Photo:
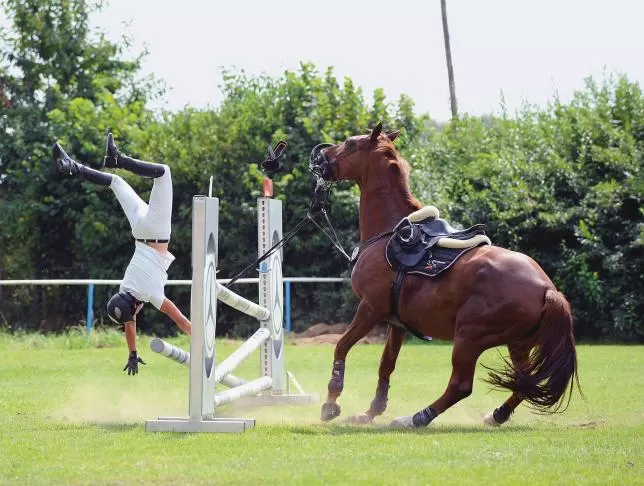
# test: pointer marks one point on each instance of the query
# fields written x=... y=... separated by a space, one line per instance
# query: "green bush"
x=563 y=184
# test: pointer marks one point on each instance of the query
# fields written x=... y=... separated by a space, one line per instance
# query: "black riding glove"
x=132 y=365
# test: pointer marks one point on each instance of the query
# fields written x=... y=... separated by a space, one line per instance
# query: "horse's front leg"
x=364 y=320
x=395 y=338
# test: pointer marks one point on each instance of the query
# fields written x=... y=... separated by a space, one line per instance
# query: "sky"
x=527 y=50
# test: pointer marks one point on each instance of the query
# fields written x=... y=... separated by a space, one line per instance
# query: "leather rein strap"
x=363 y=246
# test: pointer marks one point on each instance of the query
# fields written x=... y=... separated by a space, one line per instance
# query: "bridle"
x=318 y=165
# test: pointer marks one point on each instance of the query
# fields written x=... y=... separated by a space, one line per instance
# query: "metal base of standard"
x=185 y=424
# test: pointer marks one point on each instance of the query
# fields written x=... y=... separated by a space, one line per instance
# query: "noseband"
x=318 y=165
x=318 y=160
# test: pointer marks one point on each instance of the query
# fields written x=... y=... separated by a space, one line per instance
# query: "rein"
x=319 y=204
x=298 y=227
x=333 y=239
x=367 y=244
x=310 y=217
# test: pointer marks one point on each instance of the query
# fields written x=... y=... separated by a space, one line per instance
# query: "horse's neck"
x=382 y=208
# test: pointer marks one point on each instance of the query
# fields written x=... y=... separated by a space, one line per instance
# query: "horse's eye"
x=351 y=145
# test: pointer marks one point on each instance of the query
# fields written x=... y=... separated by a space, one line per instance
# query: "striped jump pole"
x=177 y=354
x=158 y=345
x=249 y=389
x=241 y=304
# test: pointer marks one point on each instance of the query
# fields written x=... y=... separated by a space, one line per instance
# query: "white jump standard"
x=204 y=373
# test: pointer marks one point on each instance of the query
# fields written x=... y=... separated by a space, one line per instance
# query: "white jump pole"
x=158 y=345
x=241 y=304
x=240 y=354
x=177 y=354
x=249 y=389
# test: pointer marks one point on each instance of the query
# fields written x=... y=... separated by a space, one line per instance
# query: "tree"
x=303 y=107
x=58 y=82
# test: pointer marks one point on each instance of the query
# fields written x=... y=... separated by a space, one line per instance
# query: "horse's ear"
x=375 y=133
x=393 y=135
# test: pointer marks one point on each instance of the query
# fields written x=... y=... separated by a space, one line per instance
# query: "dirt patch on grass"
x=323 y=333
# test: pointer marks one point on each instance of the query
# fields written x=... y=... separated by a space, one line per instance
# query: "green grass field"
x=68 y=415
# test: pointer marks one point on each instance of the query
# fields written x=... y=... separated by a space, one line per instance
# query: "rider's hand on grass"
x=132 y=365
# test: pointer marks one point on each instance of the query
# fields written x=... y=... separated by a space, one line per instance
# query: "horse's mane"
x=387 y=148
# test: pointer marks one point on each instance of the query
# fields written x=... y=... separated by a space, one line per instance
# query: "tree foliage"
x=562 y=183
x=57 y=82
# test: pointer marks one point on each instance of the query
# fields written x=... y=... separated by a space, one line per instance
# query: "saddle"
x=424 y=244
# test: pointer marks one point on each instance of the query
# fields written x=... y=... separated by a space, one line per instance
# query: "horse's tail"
x=551 y=367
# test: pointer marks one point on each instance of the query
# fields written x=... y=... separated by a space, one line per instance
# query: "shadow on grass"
x=115 y=426
x=348 y=429
x=64 y=425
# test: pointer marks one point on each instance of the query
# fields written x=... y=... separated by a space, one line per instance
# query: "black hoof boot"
x=64 y=163
x=502 y=414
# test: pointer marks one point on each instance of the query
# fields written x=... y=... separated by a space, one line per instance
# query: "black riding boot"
x=116 y=160
x=66 y=165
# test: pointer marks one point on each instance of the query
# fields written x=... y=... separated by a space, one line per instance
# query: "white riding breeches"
x=148 y=221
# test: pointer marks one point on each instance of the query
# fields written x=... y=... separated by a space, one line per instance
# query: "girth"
x=396 y=285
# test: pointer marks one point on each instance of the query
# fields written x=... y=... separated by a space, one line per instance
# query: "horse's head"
x=349 y=160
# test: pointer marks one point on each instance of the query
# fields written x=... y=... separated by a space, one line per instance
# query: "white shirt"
x=147 y=274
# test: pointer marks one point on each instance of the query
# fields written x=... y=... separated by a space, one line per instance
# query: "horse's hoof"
x=403 y=422
x=490 y=420
x=330 y=410
x=362 y=419
x=378 y=407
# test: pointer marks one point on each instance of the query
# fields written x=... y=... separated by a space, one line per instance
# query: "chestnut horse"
x=490 y=297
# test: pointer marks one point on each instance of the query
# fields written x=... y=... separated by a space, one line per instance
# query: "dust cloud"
x=101 y=403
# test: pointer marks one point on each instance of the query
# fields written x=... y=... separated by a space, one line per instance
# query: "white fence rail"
x=92 y=282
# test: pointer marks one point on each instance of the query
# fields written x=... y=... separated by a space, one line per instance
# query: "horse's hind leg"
x=502 y=414
x=464 y=356
x=395 y=338
x=364 y=320
x=519 y=354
